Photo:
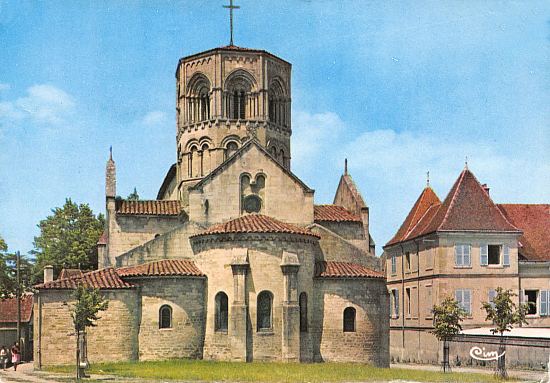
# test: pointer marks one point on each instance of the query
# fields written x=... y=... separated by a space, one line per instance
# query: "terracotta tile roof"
x=534 y=221
x=70 y=273
x=104 y=239
x=425 y=201
x=152 y=207
x=165 y=267
x=8 y=309
x=467 y=207
x=98 y=279
x=256 y=223
x=334 y=213
x=330 y=269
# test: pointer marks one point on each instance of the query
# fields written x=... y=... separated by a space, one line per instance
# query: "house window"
x=430 y=258
x=544 y=302
x=165 y=317
x=492 y=295
x=429 y=301
x=264 y=311
x=407 y=261
x=408 y=298
x=464 y=299
x=493 y=254
x=303 y=312
x=222 y=311
x=393 y=264
x=462 y=255
x=506 y=255
x=395 y=303
x=349 y=319
x=531 y=299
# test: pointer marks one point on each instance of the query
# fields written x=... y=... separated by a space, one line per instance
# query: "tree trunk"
x=501 y=362
x=446 y=365
x=78 y=355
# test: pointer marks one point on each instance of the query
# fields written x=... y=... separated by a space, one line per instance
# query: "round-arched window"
x=264 y=311
x=349 y=319
x=165 y=317
x=252 y=204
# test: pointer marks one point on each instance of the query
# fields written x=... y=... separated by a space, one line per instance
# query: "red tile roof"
x=256 y=223
x=154 y=207
x=334 y=213
x=165 y=267
x=467 y=207
x=330 y=269
x=70 y=273
x=534 y=221
x=427 y=199
x=99 y=279
x=8 y=309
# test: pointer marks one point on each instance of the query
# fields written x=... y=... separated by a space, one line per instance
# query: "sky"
x=398 y=88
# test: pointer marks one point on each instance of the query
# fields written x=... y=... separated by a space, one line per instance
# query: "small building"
x=8 y=324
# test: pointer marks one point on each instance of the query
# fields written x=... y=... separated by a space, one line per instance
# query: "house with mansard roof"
x=233 y=260
x=465 y=247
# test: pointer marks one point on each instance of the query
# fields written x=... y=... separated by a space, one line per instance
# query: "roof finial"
x=346 y=167
x=466 y=163
x=231 y=7
x=111 y=152
x=428 y=178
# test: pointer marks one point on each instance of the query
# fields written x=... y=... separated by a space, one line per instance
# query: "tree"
x=134 y=196
x=447 y=318
x=8 y=271
x=68 y=239
x=504 y=314
x=88 y=304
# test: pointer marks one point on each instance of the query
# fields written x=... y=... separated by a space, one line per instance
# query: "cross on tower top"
x=231 y=7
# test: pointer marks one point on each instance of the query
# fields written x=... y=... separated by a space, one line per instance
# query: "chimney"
x=48 y=273
x=486 y=188
x=110 y=176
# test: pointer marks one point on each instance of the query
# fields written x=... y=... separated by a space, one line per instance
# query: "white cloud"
x=154 y=118
x=43 y=103
x=4 y=87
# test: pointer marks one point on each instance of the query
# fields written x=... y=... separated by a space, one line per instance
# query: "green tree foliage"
x=8 y=271
x=447 y=318
x=504 y=314
x=68 y=239
x=134 y=196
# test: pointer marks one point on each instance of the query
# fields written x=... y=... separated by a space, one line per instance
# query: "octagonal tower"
x=224 y=97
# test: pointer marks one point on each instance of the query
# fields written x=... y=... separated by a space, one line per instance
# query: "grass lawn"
x=270 y=372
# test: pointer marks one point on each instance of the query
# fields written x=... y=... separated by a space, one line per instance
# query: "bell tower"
x=224 y=97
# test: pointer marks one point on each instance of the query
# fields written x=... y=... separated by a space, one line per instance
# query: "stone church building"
x=233 y=260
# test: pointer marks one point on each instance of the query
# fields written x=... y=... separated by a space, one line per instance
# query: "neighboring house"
x=8 y=324
x=234 y=261
x=464 y=247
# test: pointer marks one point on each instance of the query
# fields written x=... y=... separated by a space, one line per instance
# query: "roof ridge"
x=405 y=237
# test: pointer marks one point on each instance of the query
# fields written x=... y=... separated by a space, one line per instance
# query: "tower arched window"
x=264 y=310
x=240 y=100
x=230 y=149
x=349 y=319
x=239 y=105
x=205 y=155
x=277 y=102
x=204 y=98
x=222 y=312
x=303 y=312
x=165 y=317
x=192 y=157
x=198 y=105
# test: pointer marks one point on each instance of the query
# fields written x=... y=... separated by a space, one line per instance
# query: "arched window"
x=204 y=98
x=239 y=105
x=192 y=157
x=204 y=157
x=230 y=149
x=349 y=319
x=165 y=317
x=264 y=311
x=198 y=105
x=222 y=312
x=239 y=95
x=303 y=312
x=276 y=103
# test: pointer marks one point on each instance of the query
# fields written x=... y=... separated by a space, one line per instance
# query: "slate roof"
x=534 y=221
x=331 y=269
x=165 y=267
x=467 y=207
x=8 y=309
x=98 y=279
x=150 y=207
x=334 y=213
x=255 y=223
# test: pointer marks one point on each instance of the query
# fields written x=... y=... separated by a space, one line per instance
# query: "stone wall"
x=114 y=338
x=185 y=338
x=347 y=230
x=370 y=342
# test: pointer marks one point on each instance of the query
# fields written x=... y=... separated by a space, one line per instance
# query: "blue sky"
x=399 y=88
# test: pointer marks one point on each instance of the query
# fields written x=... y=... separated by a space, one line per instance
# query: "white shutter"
x=506 y=255
x=492 y=295
x=468 y=301
x=458 y=255
x=458 y=296
x=397 y=302
x=483 y=255
x=466 y=256
x=544 y=302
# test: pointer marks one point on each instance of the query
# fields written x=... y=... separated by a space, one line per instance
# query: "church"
x=233 y=260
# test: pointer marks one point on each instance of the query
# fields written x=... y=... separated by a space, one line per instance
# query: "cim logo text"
x=480 y=354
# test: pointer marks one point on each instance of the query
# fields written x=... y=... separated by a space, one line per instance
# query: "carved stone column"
x=290 y=308
x=239 y=306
